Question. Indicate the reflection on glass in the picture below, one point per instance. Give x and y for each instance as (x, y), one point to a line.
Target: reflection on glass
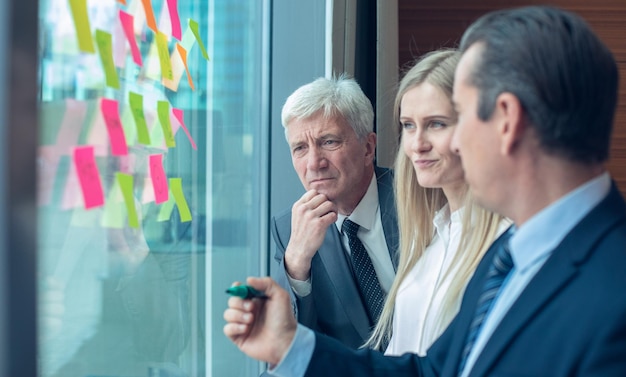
(132, 284)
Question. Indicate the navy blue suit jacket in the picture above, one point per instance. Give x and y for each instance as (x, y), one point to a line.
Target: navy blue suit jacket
(569, 321)
(334, 306)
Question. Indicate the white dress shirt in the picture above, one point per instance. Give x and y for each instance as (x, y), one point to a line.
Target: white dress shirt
(530, 247)
(420, 297)
(419, 317)
(371, 234)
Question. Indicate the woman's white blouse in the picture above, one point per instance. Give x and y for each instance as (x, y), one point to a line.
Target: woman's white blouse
(420, 297)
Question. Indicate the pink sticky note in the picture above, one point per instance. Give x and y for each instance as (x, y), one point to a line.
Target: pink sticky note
(114, 127)
(159, 180)
(119, 47)
(88, 176)
(47, 165)
(71, 125)
(147, 194)
(172, 6)
(178, 113)
(98, 134)
(127, 21)
(72, 197)
(127, 163)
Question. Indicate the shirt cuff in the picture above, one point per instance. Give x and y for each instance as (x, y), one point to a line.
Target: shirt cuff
(301, 288)
(296, 360)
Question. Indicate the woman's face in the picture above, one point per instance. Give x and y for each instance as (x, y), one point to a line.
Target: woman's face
(428, 121)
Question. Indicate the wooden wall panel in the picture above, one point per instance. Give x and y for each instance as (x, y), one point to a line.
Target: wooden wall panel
(427, 25)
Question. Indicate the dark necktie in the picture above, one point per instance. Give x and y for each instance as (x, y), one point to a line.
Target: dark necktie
(500, 268)
(369, 286)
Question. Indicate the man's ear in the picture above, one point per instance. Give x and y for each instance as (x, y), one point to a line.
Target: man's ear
(511, 126)
(370, 146)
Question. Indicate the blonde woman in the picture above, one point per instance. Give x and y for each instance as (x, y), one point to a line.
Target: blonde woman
(443, 234)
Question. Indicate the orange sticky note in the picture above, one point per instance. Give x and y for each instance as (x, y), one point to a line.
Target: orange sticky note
(88, 176)
(183, 56)
(127, 24)
(159, 180)
(115, 130)
(172, 6)
(178, 113)
(123, 2)
(150, 20)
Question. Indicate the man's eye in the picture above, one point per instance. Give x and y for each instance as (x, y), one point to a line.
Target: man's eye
(331, 144)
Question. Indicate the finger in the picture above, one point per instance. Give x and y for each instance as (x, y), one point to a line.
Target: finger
(237, 316)
(307, 196)
(234, 330)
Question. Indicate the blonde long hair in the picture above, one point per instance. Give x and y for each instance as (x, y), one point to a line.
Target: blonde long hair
(418, 205)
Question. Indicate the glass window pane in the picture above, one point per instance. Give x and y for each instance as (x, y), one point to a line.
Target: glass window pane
(150, 190)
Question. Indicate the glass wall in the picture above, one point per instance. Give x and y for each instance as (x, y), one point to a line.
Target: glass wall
(151, 169)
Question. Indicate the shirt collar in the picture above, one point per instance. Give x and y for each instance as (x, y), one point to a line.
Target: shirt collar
(365, 212)
(543, 232)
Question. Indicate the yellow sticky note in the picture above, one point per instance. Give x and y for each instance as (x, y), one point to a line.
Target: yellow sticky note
(164, 56)
(163, 109)
(81, 23)
(176, 187)
(136, 107)
(166, 210)
(126, 185)
(105, 48)
(196, 32)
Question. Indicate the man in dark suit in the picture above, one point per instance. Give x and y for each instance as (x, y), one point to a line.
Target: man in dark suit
(328, 125)
(536, 92)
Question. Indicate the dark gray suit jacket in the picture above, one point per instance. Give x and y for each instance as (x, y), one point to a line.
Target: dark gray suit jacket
(334, 306)
(569, 321)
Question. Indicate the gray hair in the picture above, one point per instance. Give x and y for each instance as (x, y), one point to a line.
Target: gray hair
(335, 97)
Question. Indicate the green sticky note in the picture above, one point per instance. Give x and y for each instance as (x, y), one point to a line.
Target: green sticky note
(164, 56)
(176, 187)
(127, 124)
(196, 32)
(126, 185)
(166, 210)
(136, 107)
(105, 48)
(113, 213)
(81, 23)
(163, 109)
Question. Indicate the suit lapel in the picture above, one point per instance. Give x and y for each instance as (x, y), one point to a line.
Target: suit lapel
(559, 269)
(340, 274)
(388, 215)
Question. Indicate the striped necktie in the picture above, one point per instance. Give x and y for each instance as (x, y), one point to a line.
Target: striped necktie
(370, 288)
(500, 268)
